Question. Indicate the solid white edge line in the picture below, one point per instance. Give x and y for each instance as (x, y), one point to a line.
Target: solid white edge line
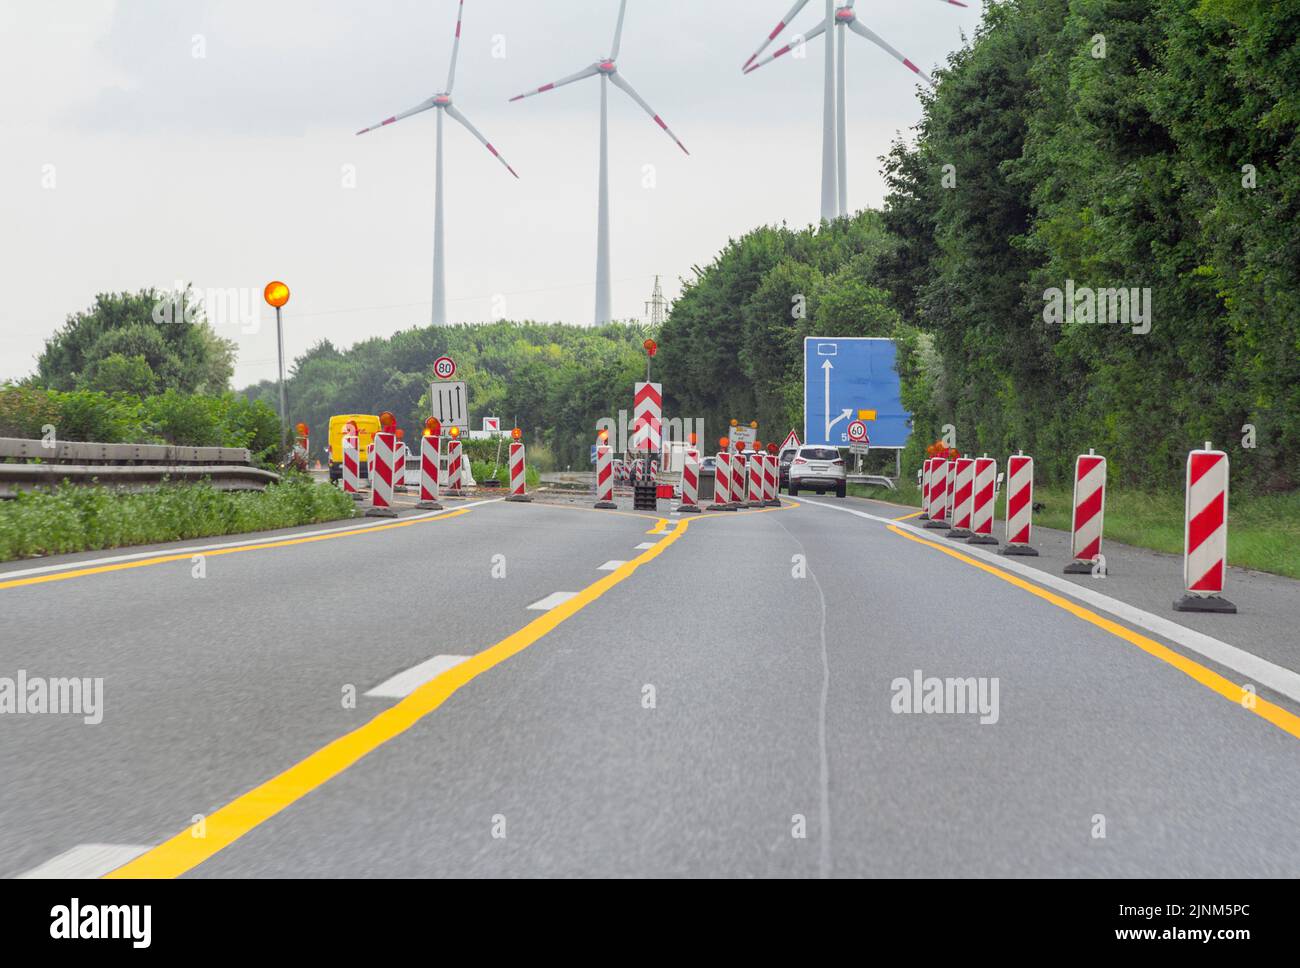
(199, 549)
(1255, 668)
(85, 862)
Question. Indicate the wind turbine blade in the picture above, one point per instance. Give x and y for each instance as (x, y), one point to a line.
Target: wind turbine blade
(776, 32)
(584, 73)
(451, 109)
(455, 47)
(618, 81)
(815, 32)
(618, 31)
(879, 41)
(955, 3)
(422, 106)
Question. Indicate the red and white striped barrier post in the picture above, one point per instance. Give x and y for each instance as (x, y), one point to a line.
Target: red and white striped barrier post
(722, 483)
(690, 483)
(1089, 513)
(455, 468)
(1020, 506)
(352, 467)
(381, 477)
(963, 497)
(518, 475)
(1205, 534)
(638, 472)
(938, 490)
(605, 477)
(982, 501)
(430, 457)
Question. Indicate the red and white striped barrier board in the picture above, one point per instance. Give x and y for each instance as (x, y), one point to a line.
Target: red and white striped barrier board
(399, 468)
(518, 475)
(605, 477)
(771, 480)
(647, 417)
(755, 469)
(690, 483)
(981, 515)
(963, 497)
(1089, 513)
(352, 467)
(925, 489)
(1205, 535)
(938, 485)
(722, 483)
(430, 456)
(455, 468)
(1020, 506)
(654, 471)
(739, 480)
(381, 477)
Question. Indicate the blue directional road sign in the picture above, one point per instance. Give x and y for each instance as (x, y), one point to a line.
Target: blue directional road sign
(842, 375)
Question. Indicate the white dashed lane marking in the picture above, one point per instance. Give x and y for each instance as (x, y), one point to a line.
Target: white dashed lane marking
(611, 566)
(404, 683)
(85, 862)
(551, 600)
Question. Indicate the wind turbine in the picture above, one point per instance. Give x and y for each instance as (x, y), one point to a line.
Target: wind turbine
(443, 103)
(608, 70)
(835, 165)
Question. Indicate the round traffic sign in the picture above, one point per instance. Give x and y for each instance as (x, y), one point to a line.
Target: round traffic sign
(857, 431)
(444, 368)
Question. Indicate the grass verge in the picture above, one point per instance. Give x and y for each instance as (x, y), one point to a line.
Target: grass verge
(94, 518)
(1263, 532)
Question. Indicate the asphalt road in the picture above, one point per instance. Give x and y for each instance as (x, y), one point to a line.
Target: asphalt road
(726, 705)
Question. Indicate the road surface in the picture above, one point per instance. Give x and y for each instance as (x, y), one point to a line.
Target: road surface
(721, 696)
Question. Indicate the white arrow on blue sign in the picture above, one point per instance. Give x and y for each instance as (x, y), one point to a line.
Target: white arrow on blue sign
(843, 375)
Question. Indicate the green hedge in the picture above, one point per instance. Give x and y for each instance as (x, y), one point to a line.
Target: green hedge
(183, 419)
(92, 518)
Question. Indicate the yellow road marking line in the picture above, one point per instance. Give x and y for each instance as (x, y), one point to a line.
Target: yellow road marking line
(189, 555)
(184, 852)
(659, 527)
(785, 506)
(1279, 717)
(914, 514)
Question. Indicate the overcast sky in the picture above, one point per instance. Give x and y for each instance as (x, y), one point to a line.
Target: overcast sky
(213, 141)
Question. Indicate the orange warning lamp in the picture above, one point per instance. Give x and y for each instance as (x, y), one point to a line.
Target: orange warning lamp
(455, 432)
(753, 424)
(386, 419)
(302, 429)
(603, 436)
(276, 294)
(400, 433)
(693, 440)
(771, 448)
(735, 423)
(724, 442)
(516, 434)
(651, 347)
(433, 427)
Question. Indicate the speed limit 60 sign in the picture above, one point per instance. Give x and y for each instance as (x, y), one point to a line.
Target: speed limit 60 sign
(857, 432)
(444, 368)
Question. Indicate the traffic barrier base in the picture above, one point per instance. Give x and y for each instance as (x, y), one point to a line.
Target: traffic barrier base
(1207, 603)
(1023, 551)
(936, 524)
(982, 539)
(1080, 567)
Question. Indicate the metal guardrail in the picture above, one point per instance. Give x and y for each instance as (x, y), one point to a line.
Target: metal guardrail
(36, 464)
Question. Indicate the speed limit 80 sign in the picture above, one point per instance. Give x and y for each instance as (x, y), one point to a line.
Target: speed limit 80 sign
(444, 368)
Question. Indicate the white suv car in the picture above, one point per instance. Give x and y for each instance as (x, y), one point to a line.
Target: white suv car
(819, 469)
